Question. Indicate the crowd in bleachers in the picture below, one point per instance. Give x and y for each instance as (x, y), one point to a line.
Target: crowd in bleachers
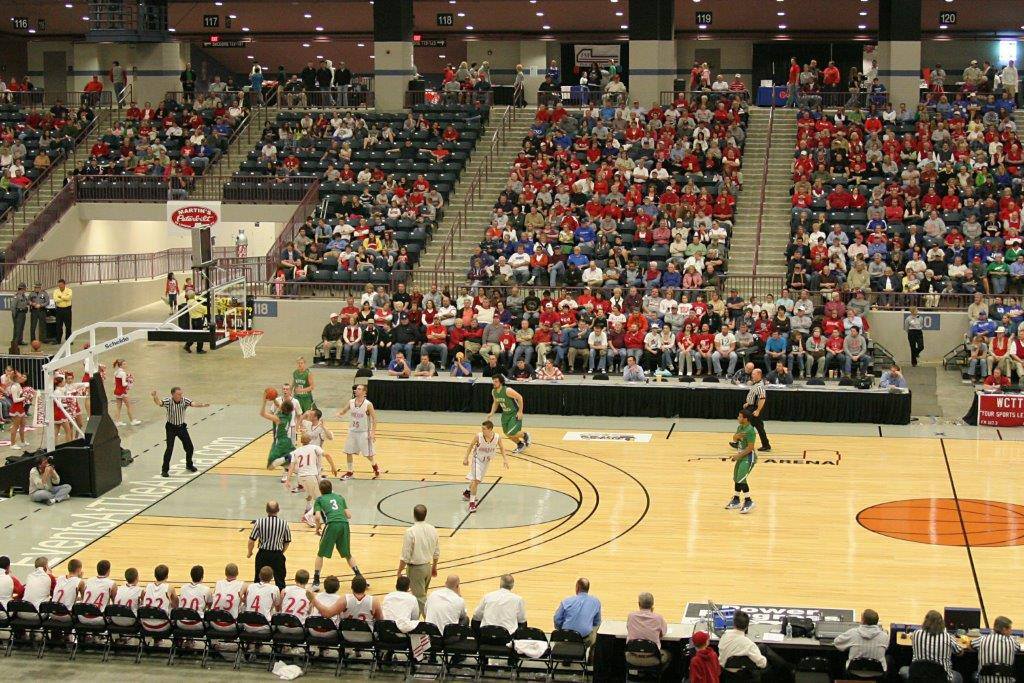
(912, 204)
(173, 141)
(384, 182)
(33, 140)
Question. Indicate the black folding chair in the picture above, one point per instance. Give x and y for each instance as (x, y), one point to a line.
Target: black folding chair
(253, 633)
(122, 626)
(322, 636)
(569, 651)
(25, 623)
(392, 649)
(532, 665)
(89, 626)
(357, 640)
(435, 660)
(927, 671)
(221, 631)
(287, 633)
(494, 645)
(643, 660)
(154, 628)
(57, 623)
(739, 670)
(186, 628)
(865, 668)
(1002, 671)
(813, 670)
(460, 651)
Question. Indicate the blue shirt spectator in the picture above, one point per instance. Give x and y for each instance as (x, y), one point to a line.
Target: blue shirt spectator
(893, 378)
(580, 613)
(581, 260)
(585, 235)
(776, 344)
(671, 278)
(984, 326)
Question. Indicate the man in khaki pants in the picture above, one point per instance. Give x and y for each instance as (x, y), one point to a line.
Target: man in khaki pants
(420, 552)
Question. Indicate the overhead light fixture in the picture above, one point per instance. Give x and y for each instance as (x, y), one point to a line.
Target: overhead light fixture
(86, 18)
(702, 27)
(232, 16)
(372, 56)
(461, 14)
(245, 28)
(319, 28)
(863, 14)
(782, 27)
(250, 57)
(540, 14)
(360, 44)
(862, 26)
(618, 14)
(623, 26)
(307, 15)
(546, 27)
(219, 4)
(943, 27)
(469, 28)
(319, 56)
(31, 30)
(440, 56)
(69, 5)
(305, 45)
(781, 14)
(172, 30)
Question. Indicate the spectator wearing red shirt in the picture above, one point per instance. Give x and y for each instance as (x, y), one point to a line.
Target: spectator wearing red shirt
(834, 350)
(951, 202)
(838, 199)
(830, 77)
(996, 382)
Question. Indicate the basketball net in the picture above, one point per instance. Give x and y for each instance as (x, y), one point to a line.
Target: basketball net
(247, 341)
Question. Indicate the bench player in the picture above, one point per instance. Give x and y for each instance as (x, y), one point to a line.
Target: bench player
(362, 430)
(484, 446)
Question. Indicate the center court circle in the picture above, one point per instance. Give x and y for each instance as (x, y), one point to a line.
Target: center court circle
(502, 505)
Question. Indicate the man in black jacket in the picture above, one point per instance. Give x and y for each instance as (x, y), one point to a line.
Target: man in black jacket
(308, 78)
(331, 337)
(342, 83)
(403, 338)
(324, 82)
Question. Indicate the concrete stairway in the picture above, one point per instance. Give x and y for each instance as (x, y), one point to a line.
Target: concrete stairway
(775, 225)
(44, 193)
(478, 216)
(210, 185)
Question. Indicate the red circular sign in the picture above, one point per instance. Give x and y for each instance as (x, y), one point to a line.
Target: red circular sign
(191, 217)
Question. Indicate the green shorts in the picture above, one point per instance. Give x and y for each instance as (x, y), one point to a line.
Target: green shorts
(741, 470)
(306, 401)
(281, 449)
(510, 424)
(336, 535)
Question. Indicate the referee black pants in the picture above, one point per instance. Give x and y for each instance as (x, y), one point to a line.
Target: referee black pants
(177, 432)
(758, 423)
(273, 559)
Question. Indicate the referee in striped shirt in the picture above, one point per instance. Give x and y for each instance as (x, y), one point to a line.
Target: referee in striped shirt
(176, 404)
(274, 536)
(933, 643)
(998, 647)
(754, 403)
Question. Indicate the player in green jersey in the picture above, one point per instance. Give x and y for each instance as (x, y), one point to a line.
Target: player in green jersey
(302, 385)
(745, 458)
(510, 402)
(281, 449)
(332, 515)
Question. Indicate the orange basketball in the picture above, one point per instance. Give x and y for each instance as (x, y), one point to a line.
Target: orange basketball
(939, 521)
(269, 394)
(36, 344)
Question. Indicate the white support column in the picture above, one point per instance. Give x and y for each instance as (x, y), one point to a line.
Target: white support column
(899, 68)
(652, 69)
(392, 71)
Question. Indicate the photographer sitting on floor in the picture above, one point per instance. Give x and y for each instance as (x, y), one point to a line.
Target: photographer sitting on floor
(44, 483)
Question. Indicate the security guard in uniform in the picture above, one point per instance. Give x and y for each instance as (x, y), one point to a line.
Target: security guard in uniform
(19, 312)
(39, 301)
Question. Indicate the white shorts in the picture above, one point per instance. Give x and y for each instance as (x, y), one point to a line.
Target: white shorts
(310, 484)
(359, 442)
(478, 468)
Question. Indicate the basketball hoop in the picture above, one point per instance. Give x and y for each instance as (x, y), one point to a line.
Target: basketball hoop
(247, 341)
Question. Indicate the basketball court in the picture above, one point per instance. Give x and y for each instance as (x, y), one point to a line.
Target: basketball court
(902, 523)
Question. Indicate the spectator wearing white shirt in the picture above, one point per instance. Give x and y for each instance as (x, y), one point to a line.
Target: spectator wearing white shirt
(401, 606)
(446, 605)
(735, 643)
(593, 276)
(502, 607)
(725, 349)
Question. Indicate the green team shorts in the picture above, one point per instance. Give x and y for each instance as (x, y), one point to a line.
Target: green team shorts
(741, 470)
(306, 401)
(336, 535)
(281, 449)
(510, 424)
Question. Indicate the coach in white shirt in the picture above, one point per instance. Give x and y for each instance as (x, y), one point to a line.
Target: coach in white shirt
(502, 607)
(401, 606)
(420, 553)
(39, 584)
(735, 643)
(445, 605)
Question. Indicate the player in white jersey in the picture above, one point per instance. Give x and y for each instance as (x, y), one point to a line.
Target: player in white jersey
(362, 430)
(330, 598)
(195, 595)
(68, 589)
(229, 592)
(100, 589)
(294, 600)
(264, 596)
(307, 465)
(160, 595)
(313, 424)
(356, 605)
(128, 595)
(484, 446)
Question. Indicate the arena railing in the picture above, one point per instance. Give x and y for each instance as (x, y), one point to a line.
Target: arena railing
(307, 206)
(764, 186)
(668, 97)
(86, 269)
(325, 99)
(472, 189)
(48, 98)
(227, 97)
(481, 97)
(931, 97)
(579, 96)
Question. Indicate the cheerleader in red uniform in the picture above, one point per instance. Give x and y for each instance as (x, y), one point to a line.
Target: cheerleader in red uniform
(18, 409)
(123, 381)
(72, 402)
(61, 420)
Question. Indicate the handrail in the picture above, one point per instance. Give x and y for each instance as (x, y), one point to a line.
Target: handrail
(474, 189)
(305, 209)
(764, 186)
